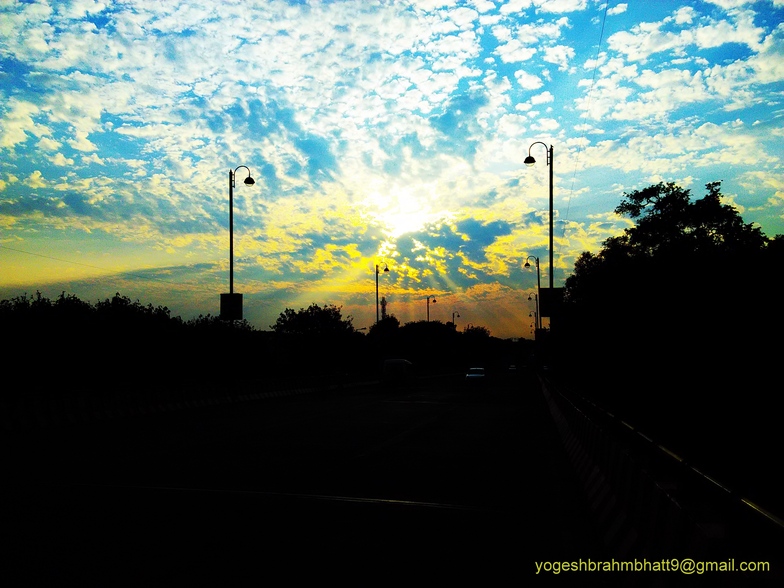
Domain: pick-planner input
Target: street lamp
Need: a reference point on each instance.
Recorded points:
(529, 161)
(538, 284)
(455, 314)
(429, 296)
(539, 319)
(231, 304)
(386, 271)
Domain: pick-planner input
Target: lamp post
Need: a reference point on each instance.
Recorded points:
(538, 285)
(455, 314)
(386, 270)
(529, 161)
(231, 304)
(536, 312)
(429, 296)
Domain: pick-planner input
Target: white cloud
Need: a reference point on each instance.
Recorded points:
(617, 9)
(542, 98)
(512, 125)
(48, 144)
(545, 124)
(685, 15)
(531, 34)
(561, 6)
(648, 38)
(483, 5)
(728, 4)
(528, 81)
(743, 31)
(768, 64)
(35, 180)
(80, 8)
(515, 6)
(92, 158)
(560, 55)
(19, 121)
(61, 160)
(463, 17)
(514, 52)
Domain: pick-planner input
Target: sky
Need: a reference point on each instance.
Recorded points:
(384, 133)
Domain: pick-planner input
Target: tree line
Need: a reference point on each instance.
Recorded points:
(67, 342)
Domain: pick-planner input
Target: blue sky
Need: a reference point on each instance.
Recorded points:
(377, 132)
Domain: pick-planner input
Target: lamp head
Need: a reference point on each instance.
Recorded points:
(529, 161)
(386, 269)
(249, 181)
(527, 264)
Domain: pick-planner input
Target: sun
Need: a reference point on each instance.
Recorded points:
(400, 211)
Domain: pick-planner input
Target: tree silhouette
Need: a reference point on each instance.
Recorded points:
(477, 332)
(386, 327)
(654, 319)
(314, 320)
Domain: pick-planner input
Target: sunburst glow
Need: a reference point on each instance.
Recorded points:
(373, 130)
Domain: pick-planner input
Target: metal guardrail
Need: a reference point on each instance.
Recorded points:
(649, 503)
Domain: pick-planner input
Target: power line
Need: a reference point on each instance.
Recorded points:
(588, 101)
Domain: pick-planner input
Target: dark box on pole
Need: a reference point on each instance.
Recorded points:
(550, 300)
(231, 307)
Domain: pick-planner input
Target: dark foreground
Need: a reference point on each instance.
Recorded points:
(429, 484)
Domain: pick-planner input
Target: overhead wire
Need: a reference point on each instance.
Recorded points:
(588, 102)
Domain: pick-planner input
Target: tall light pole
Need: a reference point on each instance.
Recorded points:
(429, 296)
(538, 285)
(231, 304)
(455, 314)
(529, 161)
(386, 270)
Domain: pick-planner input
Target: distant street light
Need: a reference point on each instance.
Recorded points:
(529, 161)
(538, 286)
(455, 314)
(536, 312)
(429, 296)
(386, 271)
(231, 304)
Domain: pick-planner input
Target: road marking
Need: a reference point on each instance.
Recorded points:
(315, 497)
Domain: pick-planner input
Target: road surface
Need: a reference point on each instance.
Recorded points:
(427, 484)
